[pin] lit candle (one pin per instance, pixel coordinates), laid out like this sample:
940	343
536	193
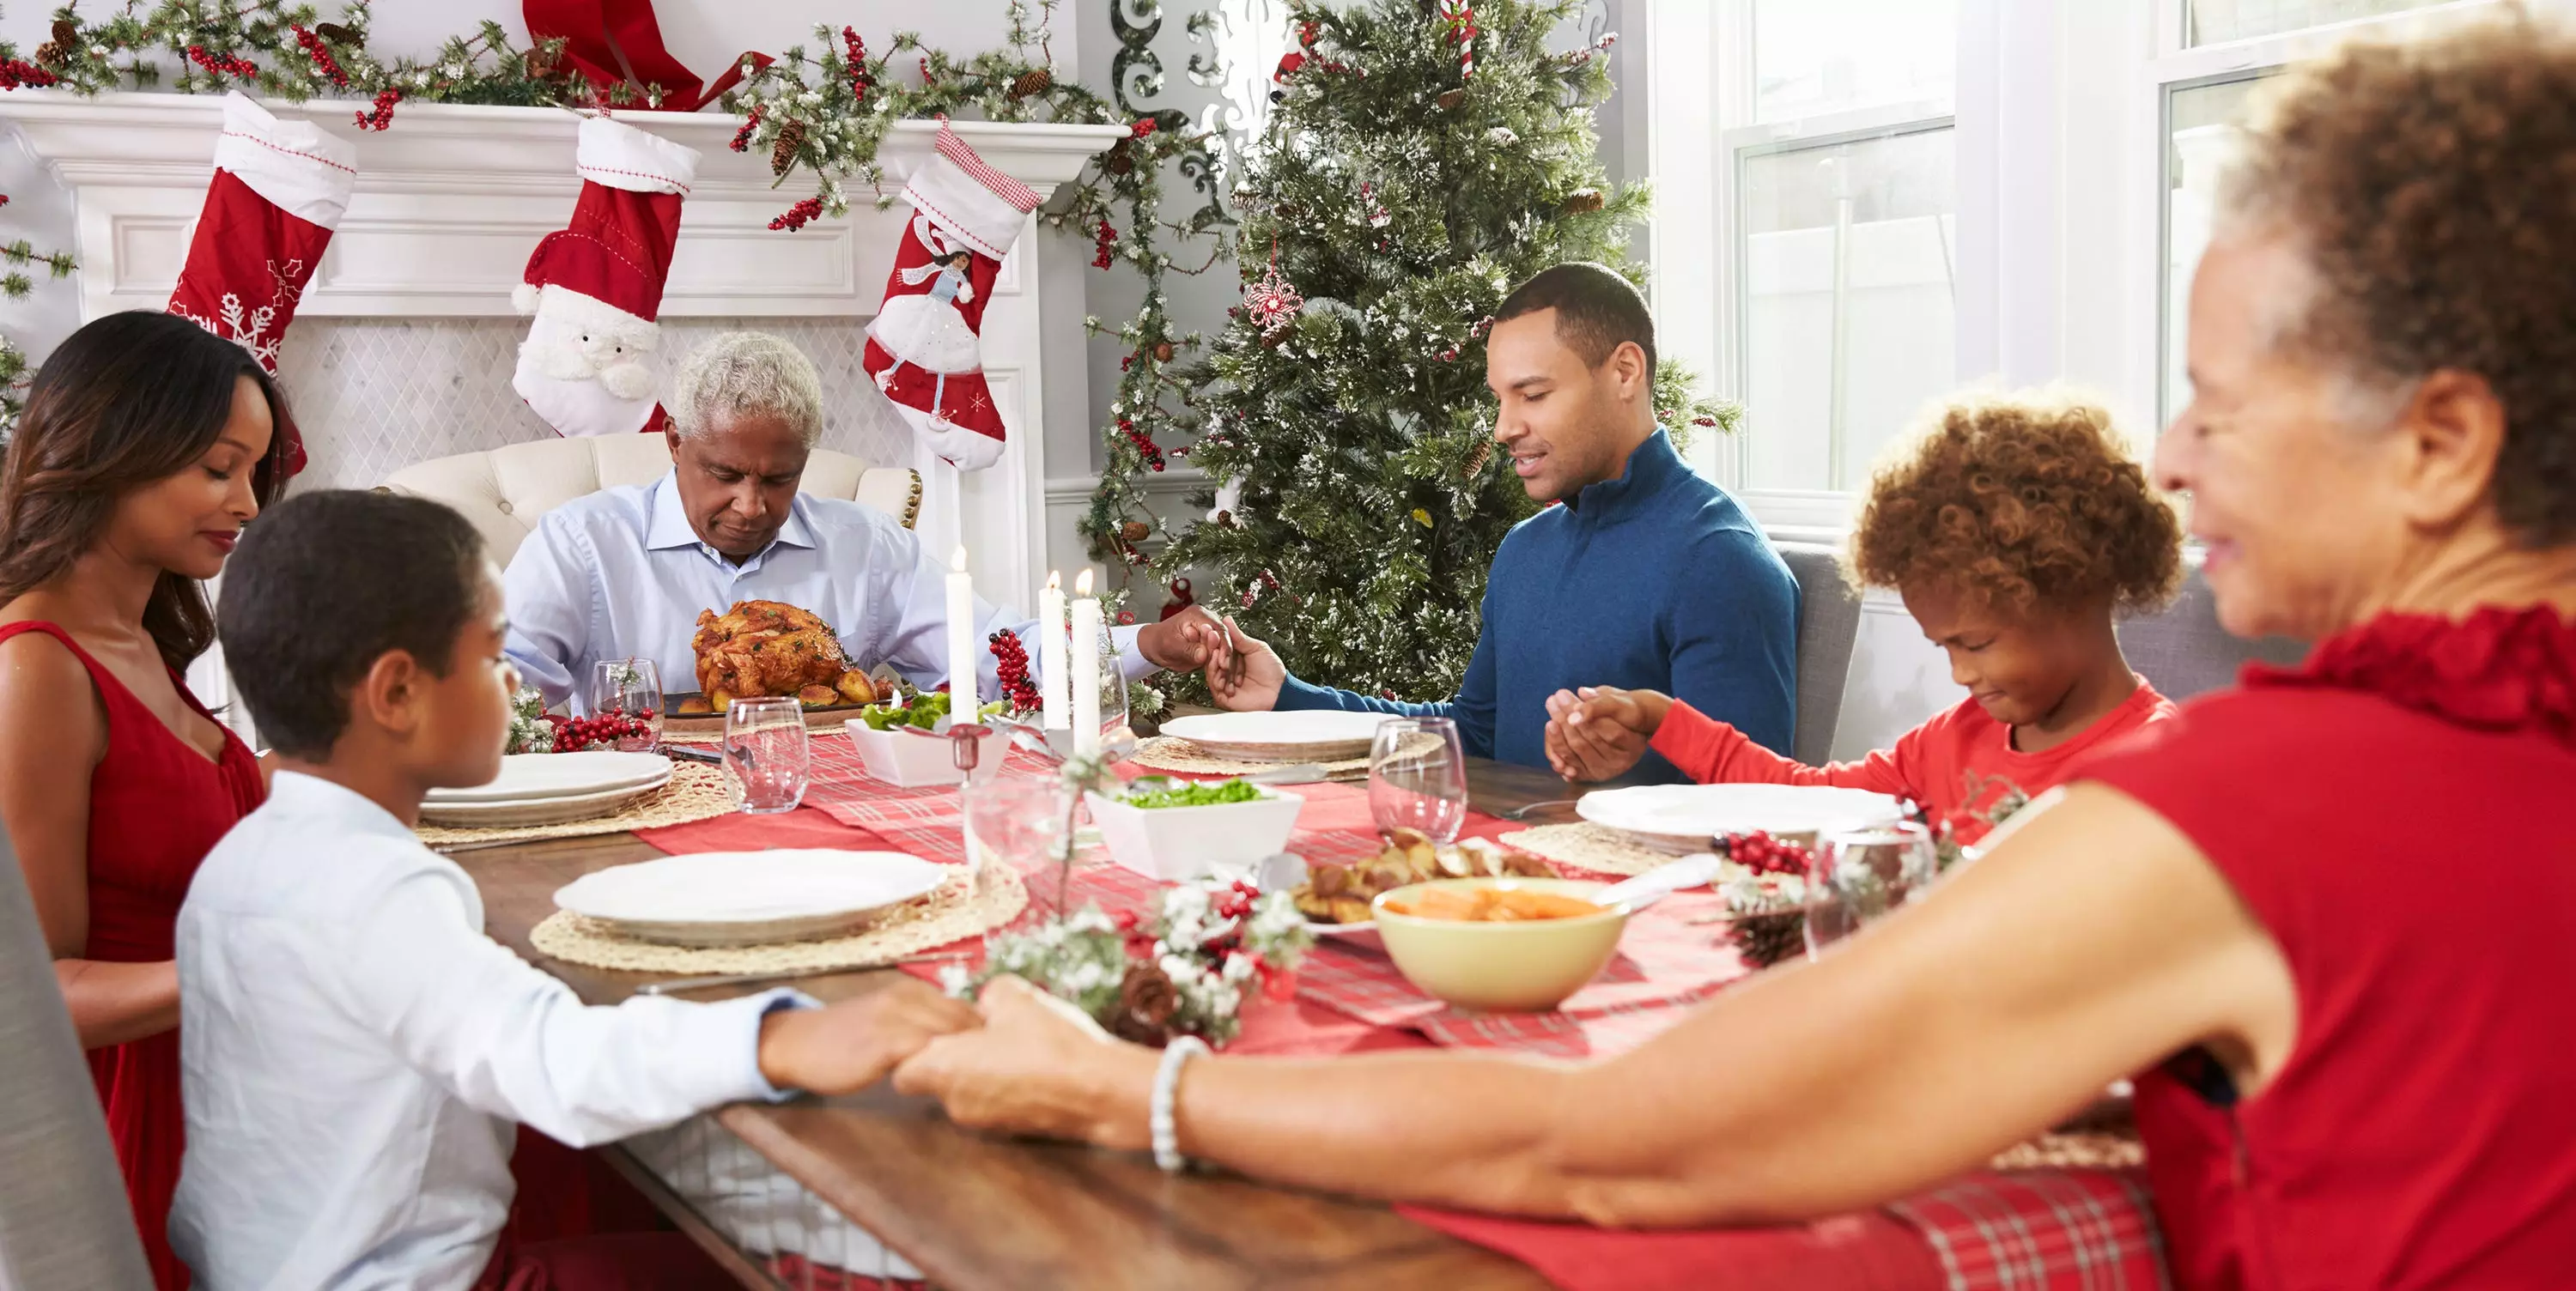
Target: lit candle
1054	692
1086	669
961	640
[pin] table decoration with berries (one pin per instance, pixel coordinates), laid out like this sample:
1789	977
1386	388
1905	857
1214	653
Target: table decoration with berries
1766	898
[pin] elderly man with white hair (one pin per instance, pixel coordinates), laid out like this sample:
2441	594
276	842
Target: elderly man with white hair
624	572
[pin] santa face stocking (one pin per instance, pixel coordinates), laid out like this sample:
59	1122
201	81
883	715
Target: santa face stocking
595	286
925	346
278	191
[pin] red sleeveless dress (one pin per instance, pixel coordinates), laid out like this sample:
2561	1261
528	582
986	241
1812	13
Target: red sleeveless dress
156	807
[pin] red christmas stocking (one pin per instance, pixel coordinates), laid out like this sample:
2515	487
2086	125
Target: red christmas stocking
925	346
278	191
594	287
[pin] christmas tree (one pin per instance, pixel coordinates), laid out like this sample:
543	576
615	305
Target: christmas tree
1422	160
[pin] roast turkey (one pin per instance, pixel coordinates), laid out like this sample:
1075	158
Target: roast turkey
772	648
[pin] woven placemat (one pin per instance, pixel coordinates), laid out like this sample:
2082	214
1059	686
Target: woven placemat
696	792
1172	753
816	726
948	913
1589	846
2083	1150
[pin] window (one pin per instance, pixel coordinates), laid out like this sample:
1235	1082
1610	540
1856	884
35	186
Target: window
1837	179
2200	121
2212	22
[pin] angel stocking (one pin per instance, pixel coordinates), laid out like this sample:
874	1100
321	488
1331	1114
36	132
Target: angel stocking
278	191
925	346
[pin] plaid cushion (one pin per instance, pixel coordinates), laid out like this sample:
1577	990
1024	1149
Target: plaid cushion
2041	1230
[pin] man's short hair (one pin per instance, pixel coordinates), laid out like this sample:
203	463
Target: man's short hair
747	372
1596	309
326	583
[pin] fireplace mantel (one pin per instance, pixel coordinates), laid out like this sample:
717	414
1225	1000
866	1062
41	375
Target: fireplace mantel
452	198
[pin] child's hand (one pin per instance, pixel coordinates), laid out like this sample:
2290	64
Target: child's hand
1598	732
854	1043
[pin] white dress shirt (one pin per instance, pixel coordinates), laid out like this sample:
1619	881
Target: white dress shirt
356	1051
620	574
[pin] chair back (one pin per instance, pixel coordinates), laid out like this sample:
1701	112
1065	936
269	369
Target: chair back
2183	652
504	490
64	1221
1828	623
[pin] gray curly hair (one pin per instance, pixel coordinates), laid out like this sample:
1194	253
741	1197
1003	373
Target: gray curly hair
747	372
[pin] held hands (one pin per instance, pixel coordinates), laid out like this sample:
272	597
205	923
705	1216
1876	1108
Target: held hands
1250	677
1037	1066
854	1043
1185	642
1598	732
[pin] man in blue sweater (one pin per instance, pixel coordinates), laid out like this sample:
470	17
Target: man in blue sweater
1647	575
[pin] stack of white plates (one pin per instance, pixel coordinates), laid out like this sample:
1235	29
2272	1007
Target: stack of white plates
747	898
1684	817
1310	735
549	789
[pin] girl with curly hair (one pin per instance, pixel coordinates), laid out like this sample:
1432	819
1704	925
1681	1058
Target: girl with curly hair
2015	528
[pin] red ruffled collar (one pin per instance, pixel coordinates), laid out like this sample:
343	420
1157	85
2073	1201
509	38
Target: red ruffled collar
2497	670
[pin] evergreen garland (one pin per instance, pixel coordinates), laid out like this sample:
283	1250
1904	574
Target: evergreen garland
1405	191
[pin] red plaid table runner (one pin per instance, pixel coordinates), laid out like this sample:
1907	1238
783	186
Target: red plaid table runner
2042	1230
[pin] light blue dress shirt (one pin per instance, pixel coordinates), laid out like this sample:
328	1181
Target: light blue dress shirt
620	574
357	1051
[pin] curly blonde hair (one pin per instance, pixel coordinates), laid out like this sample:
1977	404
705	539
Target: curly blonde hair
2425	184
2019	501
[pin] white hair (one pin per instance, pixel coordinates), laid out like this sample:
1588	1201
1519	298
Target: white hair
747	372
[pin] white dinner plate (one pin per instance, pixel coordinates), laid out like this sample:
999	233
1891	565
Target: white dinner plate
740	898
523	812
1313	735
529	776
1686	816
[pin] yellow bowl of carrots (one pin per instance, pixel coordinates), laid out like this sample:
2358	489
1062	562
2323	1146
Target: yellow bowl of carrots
1500	944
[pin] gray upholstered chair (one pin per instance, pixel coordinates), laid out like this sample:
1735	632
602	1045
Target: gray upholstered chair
2184	652
1828	622
63	1217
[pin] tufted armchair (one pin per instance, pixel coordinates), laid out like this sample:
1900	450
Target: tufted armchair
503	491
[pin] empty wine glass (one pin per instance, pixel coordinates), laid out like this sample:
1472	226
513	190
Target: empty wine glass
1418	777
1114	717
1858	875
629	688
766	759
1019	822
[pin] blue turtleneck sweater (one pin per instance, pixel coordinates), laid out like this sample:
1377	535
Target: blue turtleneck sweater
1654	580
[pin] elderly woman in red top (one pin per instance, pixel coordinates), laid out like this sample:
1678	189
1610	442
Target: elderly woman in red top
2336	903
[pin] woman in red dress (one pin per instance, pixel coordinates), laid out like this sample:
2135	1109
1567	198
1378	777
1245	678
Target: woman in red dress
146	445
2331	913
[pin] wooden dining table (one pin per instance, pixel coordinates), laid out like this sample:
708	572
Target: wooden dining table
976	1211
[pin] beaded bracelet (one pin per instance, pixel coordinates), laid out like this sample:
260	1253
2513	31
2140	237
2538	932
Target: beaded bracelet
1167	1083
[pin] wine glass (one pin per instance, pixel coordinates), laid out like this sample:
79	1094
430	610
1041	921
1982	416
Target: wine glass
766	759
1019	822
1857	875
630	688
1114	718
1418	777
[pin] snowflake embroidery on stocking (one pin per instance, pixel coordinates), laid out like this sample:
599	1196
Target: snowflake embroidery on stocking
248	328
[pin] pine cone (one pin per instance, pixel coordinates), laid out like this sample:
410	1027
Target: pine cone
1476	460
1163	352
65	32
782	155
1135	531
1583	201
1146	1002
1119	161
49	54
335	33
1766	939
1450	99
1031	83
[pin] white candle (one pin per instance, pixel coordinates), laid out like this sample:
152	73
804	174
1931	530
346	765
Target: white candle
1054	692
961	640
1086	669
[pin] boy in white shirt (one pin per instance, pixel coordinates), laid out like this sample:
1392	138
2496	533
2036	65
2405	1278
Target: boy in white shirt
356	1051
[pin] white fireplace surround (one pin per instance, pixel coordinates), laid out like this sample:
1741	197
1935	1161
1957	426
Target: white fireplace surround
452	198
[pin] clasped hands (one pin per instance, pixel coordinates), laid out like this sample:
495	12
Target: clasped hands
1244	674
1598	732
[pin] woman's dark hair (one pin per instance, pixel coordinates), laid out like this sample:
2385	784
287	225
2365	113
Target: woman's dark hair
124	402
327	584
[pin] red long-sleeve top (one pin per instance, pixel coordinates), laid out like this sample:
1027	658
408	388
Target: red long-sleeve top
1955	765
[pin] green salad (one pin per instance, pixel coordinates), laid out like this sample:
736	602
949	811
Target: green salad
1197	795
923	710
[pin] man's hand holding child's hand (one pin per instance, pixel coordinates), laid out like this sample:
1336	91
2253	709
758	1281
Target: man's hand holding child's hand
1598	732
852	1044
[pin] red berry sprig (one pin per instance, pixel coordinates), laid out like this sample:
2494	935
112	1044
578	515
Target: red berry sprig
742	137
221	65
1763	854
1011	660
1143	127
17	73
320	53
1146	448
855	53
383	113
602	730
798	216
1105	238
